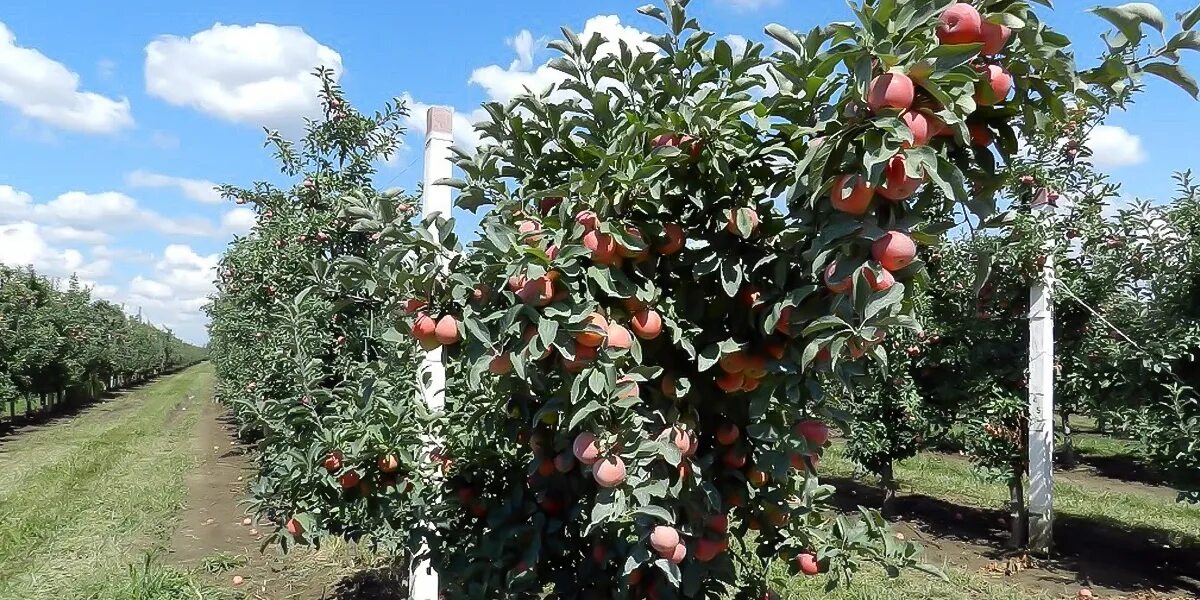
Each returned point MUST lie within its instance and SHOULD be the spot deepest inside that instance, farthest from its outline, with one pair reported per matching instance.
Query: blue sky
(116, 117)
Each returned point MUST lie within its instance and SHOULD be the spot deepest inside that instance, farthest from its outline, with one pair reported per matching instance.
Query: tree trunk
(1068, 450)
(1102, 423)
(887, 478)
(1018, 518)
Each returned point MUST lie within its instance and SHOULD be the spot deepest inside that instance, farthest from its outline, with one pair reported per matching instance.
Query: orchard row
(685, 253)
(58, 344)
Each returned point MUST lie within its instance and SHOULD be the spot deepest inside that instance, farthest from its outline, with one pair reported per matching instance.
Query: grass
(874, 585)
(80, 497)
(1127, 507)
(222, 562)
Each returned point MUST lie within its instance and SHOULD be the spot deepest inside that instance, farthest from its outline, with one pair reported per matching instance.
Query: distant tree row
(59, 344)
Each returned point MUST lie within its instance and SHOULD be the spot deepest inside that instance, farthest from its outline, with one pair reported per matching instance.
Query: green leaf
(731, 277)
(786, 37)
(882, 300)
(824, 323)
(1128, 19)
(656, 512)
(1188, 19)
(1176, 74)
(1184, 40)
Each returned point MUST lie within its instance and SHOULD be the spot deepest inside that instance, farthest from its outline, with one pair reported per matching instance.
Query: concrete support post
(439, 136)
(1041, 397)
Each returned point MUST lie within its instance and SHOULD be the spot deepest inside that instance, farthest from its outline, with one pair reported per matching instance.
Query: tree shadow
(1095, 551)
(1124, 467)
(379, 583)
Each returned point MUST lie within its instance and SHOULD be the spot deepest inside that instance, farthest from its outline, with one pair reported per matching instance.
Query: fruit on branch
(424, 328)
(851, 194)
(679, 554)
(294, 527)
(664, 539)
(981, 136)
(501, 364)
(447, 331)
(922, 125)
(588, 219)
(815, 432)
(894, 250)
(728, 434)
(349, 479)
(673, 239)
(596, 329)
(586, 448)
(897, 185)
(994, 37)
(619, 338)
(807, 564)
(997, 84)
(603, 247)
(960, 24)
(647, 324)
(891, 91)
(609, 472)
(333, 461)
(837, 287)
(388, 463)
(881, 282)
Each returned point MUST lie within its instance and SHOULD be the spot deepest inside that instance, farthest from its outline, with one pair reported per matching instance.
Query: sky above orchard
(118, 117)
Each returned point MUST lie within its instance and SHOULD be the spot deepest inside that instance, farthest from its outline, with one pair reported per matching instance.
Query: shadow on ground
(381, 583)
(1091, 552)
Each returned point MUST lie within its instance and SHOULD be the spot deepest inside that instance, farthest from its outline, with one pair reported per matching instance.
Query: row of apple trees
(1125, 325)
(640, 338)
(59, 345)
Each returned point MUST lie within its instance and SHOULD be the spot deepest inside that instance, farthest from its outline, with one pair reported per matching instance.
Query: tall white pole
(439, 136)
(1041, 397)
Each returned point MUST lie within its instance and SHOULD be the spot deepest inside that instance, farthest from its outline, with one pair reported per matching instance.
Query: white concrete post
(439, 136)
(1041, 397)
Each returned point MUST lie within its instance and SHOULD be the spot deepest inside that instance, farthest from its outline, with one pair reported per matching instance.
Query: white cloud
(71, 234)
(503, 84)
(259, 74)
(175, 292)
(149, 288)
(523, 44)
(100, 213)
(43, 89)
(1113, 147)
(238, 221)
(24, 243)
(200, 190)
(748, 5)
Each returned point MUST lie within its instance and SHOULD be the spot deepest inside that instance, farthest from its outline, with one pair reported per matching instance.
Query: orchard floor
(137, 498)
(140, 497)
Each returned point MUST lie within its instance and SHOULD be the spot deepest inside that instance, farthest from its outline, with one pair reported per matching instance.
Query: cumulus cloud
(258, 74)
(238, 221)
(1114, 146)
(72, 234)
(200, 190)
(502, 84)
(43, 89)
(96, 213)
(175, 292)
(25, 244)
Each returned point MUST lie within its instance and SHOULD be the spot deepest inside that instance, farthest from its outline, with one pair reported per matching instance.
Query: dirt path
(212, 537)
